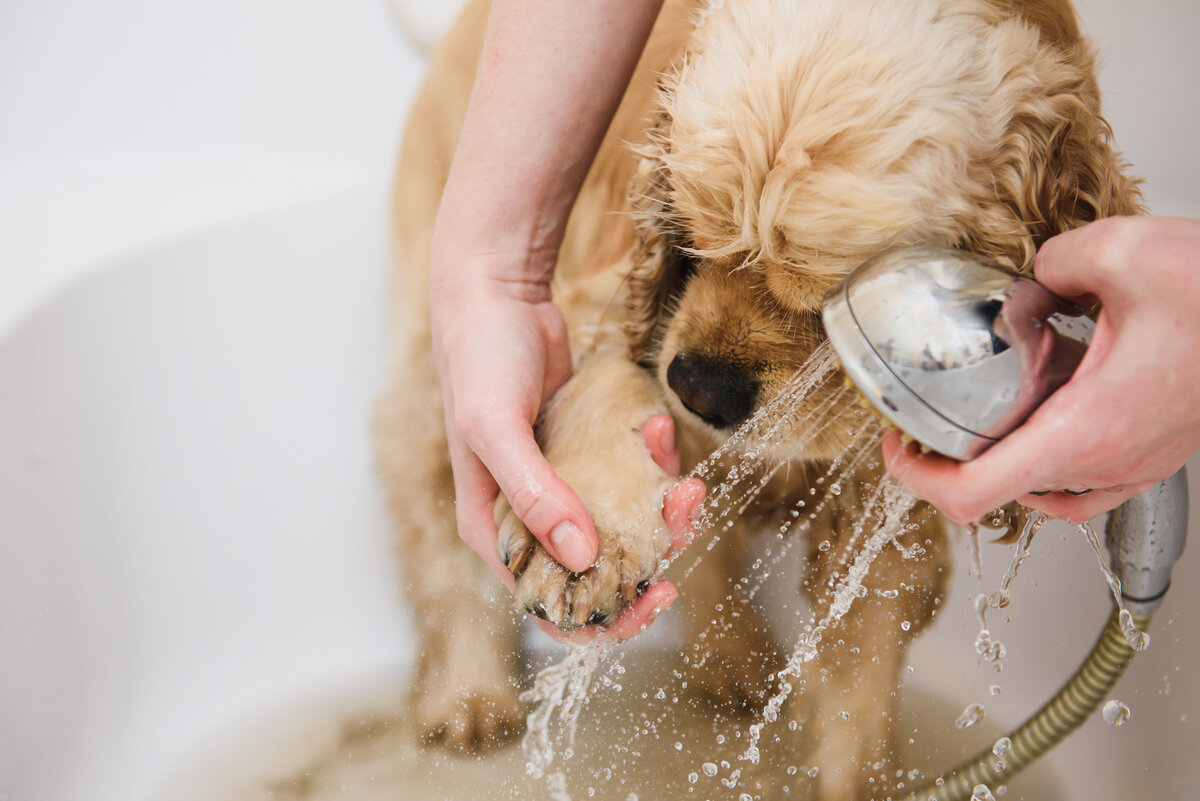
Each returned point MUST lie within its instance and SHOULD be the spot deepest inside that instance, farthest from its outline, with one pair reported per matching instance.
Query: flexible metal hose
(1078, 699)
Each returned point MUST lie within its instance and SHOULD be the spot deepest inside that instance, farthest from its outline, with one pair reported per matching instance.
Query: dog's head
(794, 140)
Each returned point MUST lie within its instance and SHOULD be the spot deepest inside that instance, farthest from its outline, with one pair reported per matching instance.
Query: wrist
(461, 276)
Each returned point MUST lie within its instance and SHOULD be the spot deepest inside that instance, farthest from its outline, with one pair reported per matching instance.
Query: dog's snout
(717, 393)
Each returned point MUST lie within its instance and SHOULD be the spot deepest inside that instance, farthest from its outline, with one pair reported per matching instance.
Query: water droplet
(1138, 640)
(970, 716)
(994, 689)
(982, 793)
(824, 546)
(813, 771)
(693, 777)
(1115, 713)
(709, 768)
(905, 625)
(1002, 747)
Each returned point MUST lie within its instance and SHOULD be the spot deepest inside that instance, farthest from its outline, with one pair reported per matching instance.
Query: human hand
(501, 351)
(1128, 417)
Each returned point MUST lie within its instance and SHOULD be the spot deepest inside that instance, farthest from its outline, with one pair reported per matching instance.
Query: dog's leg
(849, 701)
(464, 692)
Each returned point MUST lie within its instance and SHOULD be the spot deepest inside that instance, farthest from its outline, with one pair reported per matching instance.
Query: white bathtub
(191, 331)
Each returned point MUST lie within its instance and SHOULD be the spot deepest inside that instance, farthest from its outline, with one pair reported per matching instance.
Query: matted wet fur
(763, 150)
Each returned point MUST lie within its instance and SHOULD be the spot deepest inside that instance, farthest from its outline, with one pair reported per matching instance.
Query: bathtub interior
(195, 570)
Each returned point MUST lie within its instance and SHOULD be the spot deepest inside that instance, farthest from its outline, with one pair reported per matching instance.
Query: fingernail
(573, 552)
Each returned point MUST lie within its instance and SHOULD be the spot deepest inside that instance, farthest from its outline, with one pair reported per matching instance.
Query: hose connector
(1145, 537)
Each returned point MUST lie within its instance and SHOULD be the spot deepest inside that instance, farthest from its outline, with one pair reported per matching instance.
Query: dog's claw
(518, 558)
(538, 610)
(598, 618)
(514, 543)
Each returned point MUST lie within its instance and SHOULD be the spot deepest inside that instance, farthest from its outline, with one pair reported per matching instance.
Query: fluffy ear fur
(660, 259)
(1057, 169)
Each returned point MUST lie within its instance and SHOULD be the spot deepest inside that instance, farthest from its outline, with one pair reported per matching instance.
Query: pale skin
(550, 79)
(1129, 416)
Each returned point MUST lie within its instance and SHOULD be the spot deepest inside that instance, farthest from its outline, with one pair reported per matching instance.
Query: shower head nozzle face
(954, 351)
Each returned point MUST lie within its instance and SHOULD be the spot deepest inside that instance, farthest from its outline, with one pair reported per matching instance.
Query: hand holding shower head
(954, 351)
(957, 353)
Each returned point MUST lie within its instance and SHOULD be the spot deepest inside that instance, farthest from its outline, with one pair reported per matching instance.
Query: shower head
(952, 350)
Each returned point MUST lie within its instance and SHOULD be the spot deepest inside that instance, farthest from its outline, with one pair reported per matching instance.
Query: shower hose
(1077, 699)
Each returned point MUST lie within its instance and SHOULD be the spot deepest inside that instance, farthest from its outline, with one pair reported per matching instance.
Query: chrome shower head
(954, 351)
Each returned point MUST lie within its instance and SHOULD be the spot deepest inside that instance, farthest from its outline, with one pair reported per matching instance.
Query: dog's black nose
(715, 392)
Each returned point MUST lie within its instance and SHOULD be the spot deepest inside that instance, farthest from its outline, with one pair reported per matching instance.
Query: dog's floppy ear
(659, 262)
(1058, 169)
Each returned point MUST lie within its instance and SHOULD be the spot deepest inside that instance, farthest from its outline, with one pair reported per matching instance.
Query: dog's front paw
(630, 557)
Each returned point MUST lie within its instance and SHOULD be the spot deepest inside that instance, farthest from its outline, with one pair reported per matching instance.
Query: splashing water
(890, 503)
(999, 599)
(1138, 640)
(974, 542)
(991, 650)
(1115, 713)
(563, 687)
(982, 792)
(970, 716)
(1001, 749)
(736, 474)
(561, 690)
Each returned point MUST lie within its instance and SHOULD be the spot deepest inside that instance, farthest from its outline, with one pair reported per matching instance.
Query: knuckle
(1115, 243)
(524, 500)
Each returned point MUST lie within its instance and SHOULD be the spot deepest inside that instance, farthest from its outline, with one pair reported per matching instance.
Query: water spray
(955, 353)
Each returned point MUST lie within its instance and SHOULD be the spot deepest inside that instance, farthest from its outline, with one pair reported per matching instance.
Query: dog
(763, 150)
